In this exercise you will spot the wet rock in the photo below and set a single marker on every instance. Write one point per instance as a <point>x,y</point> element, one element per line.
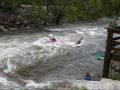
<point>15,77</point>
<point>63,84</point>
<point>13,29</point>
<point>28,27</point>
<point>117,69</point>
<point>3,29</point>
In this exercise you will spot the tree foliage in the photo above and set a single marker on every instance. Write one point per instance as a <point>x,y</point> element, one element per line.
<point>70,10</point>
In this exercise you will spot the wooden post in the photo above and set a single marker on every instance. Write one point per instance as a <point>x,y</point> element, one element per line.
<point>112,52</point>
<point>108,54</point>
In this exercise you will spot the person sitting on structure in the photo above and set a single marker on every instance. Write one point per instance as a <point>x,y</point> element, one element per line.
<point>79,42</point>
<point>87,77</point>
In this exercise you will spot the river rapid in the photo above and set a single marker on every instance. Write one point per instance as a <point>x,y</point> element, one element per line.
<point>60,60</point>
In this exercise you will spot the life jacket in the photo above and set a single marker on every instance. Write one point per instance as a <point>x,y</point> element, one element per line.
<point>87,78</point>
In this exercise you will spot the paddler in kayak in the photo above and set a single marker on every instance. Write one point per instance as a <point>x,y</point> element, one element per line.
<point>79,42</point>
<point>52,38</point>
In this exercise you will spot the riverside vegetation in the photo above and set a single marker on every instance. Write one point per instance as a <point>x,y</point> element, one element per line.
<point>29,13</point>
<point>15,14</point>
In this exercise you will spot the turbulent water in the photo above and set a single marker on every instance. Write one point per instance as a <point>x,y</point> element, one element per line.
<point>60,60</point>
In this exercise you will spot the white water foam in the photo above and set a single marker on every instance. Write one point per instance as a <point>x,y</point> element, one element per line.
<point>92,33</point>
<point>9,51</point>
<point>59,29</point>
<point>10,67</point>
<point>31,83</point>
<point>49,49</point>
<point>12,49</point>
<point>61,41</point>
<point>78,45</point>
<point>8,85</point>
<point>80,32</point>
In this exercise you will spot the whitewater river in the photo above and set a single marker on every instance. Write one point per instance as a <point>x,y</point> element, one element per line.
<point>61,60</point>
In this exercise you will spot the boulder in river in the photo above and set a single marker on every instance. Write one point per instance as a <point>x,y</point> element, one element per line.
<point>13,29</point>
<point>3,29</point>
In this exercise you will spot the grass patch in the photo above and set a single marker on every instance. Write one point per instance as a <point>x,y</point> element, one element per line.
<point>79,88</point>
<point>116,77</point>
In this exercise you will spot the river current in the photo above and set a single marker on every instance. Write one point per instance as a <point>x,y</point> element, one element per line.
<point>61,60</point>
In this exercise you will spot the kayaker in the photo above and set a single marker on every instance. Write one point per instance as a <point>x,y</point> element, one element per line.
<point>53,39</point>
<point>87,77</point>
<point>79,42</point>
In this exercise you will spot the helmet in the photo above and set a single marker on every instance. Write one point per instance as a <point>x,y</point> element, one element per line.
<point>51,35</point>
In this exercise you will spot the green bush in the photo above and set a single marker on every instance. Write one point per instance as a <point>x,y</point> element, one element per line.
<point>116,77</point>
